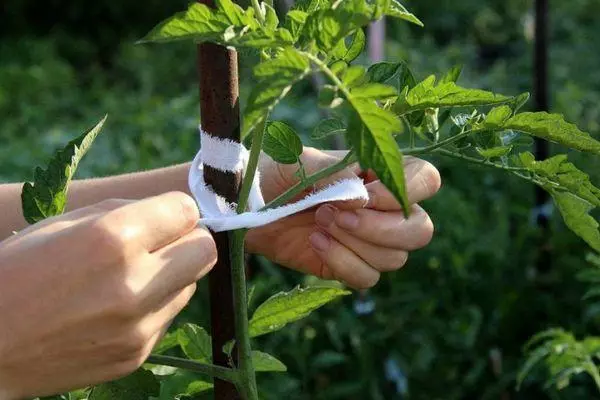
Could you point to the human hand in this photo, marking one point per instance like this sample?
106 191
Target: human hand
84 297
344 241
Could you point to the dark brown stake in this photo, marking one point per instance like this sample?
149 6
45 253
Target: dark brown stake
219 110
541 103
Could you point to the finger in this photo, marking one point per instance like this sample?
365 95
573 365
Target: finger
422 182
342 263
157 323
179 265
154 222
383 229
64 221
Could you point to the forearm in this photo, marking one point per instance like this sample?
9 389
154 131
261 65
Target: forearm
89 191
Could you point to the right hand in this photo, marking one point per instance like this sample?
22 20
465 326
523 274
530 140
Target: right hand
84 297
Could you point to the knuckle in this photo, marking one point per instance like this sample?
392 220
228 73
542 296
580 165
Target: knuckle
126 305
189 209
107 239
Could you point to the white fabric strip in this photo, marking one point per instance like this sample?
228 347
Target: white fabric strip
219 215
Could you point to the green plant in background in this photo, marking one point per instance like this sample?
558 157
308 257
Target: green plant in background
377 109
559 353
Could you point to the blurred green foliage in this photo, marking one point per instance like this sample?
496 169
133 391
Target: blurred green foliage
452 324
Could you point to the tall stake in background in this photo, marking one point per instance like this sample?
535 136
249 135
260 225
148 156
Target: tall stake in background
220 116
541 103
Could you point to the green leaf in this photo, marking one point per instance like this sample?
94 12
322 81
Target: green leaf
182 383
275 79
348 54
494 152
551 127
354 76
427 94
497 116
271 19
383 71
559 174
169 341
370 131
374 91
452 75
286 307
328 127
264 362
195 342
397 10
47 195
138 386
575 212
282 143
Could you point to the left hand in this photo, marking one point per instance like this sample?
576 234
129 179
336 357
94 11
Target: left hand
344 241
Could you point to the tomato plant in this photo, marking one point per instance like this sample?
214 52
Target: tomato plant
378 110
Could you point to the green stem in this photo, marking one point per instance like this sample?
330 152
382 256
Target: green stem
473 160
593 371
247 376
310 181
215 371
259 133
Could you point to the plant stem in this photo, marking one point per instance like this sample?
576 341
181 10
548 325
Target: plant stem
247 376
216 371
593 371
310 181
477 160
255 149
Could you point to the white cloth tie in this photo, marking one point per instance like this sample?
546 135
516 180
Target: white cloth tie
220 215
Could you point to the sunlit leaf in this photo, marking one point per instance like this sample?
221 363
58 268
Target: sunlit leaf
328 127
47 195
286 307
195 342
282 143
264 362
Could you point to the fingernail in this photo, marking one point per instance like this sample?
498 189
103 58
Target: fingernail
319 241
347 220
325 216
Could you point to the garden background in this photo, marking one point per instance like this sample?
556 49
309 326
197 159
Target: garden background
453 322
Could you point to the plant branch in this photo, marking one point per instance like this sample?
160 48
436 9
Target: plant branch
310 181
215 371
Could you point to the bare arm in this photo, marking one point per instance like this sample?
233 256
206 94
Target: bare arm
90 191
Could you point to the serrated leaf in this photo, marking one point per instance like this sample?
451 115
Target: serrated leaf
427 94
328 127
551 127
497 116
195 342
275 79
286 307
397 10
282 143
562 175
264 362
271 19
227 24
370 131
575 213
383 71
47 195
140 385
